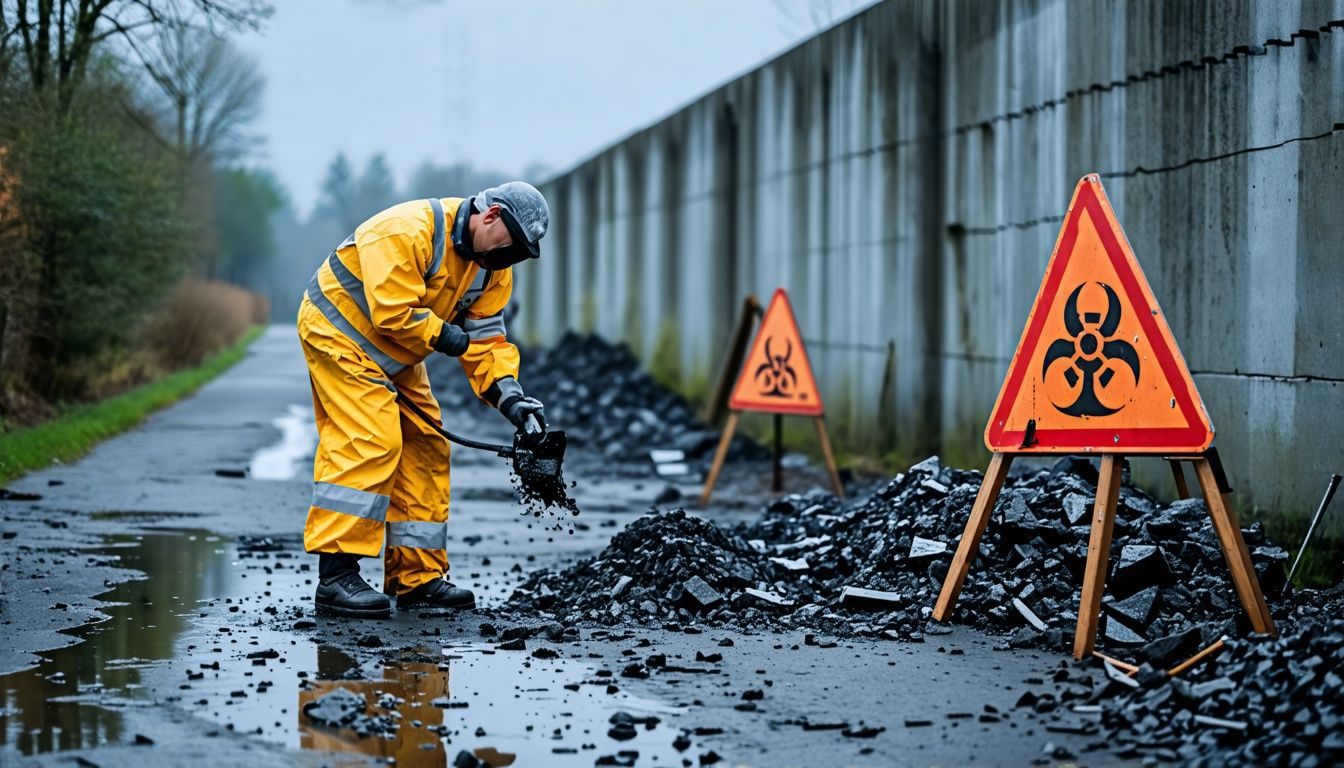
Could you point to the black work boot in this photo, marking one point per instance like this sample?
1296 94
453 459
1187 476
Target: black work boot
341 591
438 593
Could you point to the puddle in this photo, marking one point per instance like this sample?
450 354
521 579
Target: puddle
203 635
56 705
298 439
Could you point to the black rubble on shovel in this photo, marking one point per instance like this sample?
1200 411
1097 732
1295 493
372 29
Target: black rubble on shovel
874 566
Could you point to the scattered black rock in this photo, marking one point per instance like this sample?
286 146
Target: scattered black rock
8 495
874 566
337 709
1262 701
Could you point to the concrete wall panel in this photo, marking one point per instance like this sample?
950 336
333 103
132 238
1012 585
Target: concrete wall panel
904 175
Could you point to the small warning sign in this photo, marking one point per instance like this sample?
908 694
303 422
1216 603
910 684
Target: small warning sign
777 377
1097 368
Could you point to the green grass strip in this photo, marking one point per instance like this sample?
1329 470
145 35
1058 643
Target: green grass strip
80 427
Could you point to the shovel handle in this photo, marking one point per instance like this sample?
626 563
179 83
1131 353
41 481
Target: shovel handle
505 451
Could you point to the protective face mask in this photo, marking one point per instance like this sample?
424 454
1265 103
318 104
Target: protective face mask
501 258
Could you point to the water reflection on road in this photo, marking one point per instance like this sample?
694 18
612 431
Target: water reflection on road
201 634
71 700
293 454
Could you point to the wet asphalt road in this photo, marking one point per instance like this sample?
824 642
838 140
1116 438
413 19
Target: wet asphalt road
205 649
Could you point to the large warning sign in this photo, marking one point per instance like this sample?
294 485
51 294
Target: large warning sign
1097 368
777 377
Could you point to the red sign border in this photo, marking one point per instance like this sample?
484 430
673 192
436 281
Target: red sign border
799 410
1193 438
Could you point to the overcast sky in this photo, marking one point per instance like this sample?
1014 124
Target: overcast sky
501 84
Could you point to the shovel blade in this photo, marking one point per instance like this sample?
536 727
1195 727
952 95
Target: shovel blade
539 456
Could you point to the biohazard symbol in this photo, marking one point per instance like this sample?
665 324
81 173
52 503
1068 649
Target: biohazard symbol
1090 349
1074 383
776 376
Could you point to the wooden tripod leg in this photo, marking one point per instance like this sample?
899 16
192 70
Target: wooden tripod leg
829 456
1234 549
1098 555
1182 490
719 456
969 546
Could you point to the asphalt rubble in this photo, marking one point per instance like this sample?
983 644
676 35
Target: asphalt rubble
873 568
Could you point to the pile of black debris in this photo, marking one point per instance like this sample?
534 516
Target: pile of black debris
599 393
874 567
596 391
1262 701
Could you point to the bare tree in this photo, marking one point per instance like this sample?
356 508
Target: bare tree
57 37
208 94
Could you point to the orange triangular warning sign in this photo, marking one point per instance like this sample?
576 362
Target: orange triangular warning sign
1097 368
777 377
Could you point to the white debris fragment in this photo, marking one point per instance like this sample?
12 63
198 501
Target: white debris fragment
1027 614
1118 676
1218 722
768 597
922 547
792 565
807 543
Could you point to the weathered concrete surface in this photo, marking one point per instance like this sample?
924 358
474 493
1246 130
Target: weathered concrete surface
904 173
208 600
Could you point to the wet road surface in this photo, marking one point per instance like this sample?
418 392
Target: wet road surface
181 540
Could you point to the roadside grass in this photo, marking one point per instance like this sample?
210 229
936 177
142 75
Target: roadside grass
77 428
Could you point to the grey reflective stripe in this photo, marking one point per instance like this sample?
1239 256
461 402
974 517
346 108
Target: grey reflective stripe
486 327
352 285
419 315
350 501
347 242
319 299
436 258
418 535
508 387
383 383
473 293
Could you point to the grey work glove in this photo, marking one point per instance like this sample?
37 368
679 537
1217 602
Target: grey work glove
521 410
518 408
452 341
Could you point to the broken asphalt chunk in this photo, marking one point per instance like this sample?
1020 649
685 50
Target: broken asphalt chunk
858 598
698 595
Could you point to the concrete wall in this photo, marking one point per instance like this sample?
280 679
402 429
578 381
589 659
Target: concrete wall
904 174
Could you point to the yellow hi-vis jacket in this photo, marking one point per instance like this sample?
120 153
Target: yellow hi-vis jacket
392 285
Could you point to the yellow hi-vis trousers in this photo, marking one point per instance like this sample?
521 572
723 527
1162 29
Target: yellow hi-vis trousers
378 470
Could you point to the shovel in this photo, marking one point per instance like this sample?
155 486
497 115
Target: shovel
536 454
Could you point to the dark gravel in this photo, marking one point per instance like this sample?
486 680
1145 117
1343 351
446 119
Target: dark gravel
1262 701
873 567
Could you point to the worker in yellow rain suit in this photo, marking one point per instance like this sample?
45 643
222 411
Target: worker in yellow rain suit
418 278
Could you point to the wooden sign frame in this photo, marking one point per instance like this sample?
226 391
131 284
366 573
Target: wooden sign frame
735 364
1104 243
